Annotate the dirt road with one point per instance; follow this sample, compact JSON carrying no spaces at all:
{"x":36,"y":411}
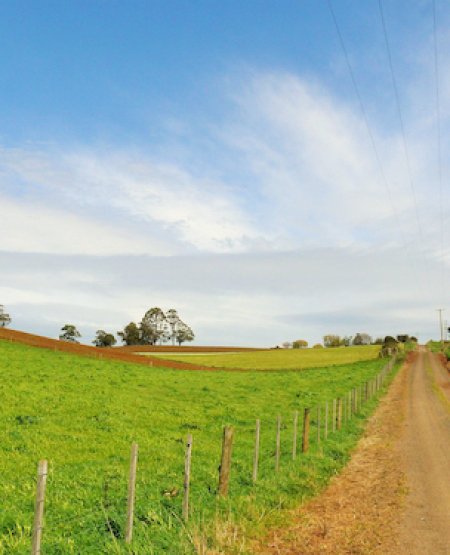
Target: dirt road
{"x":425,"y":452}
{"x":393,"y":498}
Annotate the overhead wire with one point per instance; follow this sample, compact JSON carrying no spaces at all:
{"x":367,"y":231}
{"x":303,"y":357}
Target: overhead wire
{"x":405,"y":146}
{"x":381,"y":170}
{"x":365,"y":118}
{"x":400,"y":117}
{"x":439,"y":145}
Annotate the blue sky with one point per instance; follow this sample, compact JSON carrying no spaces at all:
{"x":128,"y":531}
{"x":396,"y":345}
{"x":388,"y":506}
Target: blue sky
{"x":175,"y":138}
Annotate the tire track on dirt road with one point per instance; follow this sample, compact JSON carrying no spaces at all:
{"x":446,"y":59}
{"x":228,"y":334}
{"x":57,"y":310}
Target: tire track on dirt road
{"x":425,"y":450}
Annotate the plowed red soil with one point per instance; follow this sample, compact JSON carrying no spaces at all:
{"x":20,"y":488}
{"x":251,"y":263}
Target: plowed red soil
{"x":95,"y":352}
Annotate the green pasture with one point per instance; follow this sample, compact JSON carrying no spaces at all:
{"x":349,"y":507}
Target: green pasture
{"x":279,"y":359}
{"x":83,"y":414}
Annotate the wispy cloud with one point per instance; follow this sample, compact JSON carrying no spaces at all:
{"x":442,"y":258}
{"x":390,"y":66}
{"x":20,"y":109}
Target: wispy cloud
{"x":293,"y":172}
{"x":304,"y":173}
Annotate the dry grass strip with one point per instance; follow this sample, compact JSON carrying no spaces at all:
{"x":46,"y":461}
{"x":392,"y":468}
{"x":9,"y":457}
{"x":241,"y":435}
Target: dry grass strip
{"x":359,"y":511}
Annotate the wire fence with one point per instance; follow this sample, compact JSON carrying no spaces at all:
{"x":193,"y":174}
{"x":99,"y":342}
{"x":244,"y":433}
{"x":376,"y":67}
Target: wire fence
{"x":268,"y":445}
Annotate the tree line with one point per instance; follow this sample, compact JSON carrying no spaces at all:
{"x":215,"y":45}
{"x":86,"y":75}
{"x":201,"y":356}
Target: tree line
{"x":364,"y":339}
{"x":332,"y":340}
{"x":156,"y":327}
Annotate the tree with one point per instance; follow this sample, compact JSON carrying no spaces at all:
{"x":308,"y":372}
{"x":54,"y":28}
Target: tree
{"x":318,"y":346}
{"x":346,"y":341}
{"x":130,"y":334}
{"x":362,"y":339}
{"x":5,"y":318}
{"x":157,"y":327}
{"x":154,"y":327}
{"x":403,"y":338}
{"x":389,"y":340}
{"x":331,"y":340}
{"x":70,"y":333}
{"x":184,"y":333}
{"x":389,"y":347}
{"x":104,"y":339}
{"x":174,"y":322}
{"x":300,"y":344}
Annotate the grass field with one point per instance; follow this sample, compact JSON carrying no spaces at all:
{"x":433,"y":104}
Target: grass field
{"x":279,"y":359}
{"x":82,"y":414}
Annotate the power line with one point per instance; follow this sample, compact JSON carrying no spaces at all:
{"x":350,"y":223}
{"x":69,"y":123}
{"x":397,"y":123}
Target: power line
{"x":382,"y":173}
{"x":366,"y":121}
{"x":439,"y":143}
{"x":400,"y":116}
{"x":404,"y":141}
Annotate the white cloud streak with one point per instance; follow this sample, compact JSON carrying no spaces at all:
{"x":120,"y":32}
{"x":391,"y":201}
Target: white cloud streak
{"x":303,"y":179}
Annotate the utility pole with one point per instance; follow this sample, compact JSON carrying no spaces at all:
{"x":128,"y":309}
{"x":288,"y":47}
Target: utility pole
{"x":440,"y":310}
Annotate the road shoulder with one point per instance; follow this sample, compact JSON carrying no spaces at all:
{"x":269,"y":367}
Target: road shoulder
{"x":359,"y":512}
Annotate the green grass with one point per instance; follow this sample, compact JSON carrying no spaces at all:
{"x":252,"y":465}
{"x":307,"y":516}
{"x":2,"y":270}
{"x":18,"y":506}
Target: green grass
{"x":279,"y":359}
{"x":82,"y":414}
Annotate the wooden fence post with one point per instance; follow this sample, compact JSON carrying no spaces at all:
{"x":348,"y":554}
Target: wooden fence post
{"x":256,"y":453}
{"x":131,"y":493}
{"x":326,"y":420}
{"x":351,"y":402}
{"x":187,"y":477}
{"x":278,"y":445}
{"x":225,"y":464}
{"x":318,"y":424}
{"x":294,"y":437}
{"x":305,"y":439}
{"x":334,"y":416}
{"x":339,"y":414}
{"x":39,"y":507}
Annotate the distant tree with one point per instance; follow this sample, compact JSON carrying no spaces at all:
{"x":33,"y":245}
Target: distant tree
{"x":174,"y":322}
{"x":346,"y":341}
{"x":70,"y":333}
{"x":389,"y":347}
{"x":104,"y":339}
{"x":389,"y":340}
{"x":404,"y":338}
{"x":413,"y":339}
{"x":5,"y":318}
{"x":287,"y":345}
{"x":318,"y":346}
{"x":378,"y":341}
{"x":331,"y":340}
{"x":157,"y":327}
{"x":184,"y":333}
{"x":362,"y":339}
{"x":154,"y":327}
{"x":130,"y":334}
{"x":300,"y":344}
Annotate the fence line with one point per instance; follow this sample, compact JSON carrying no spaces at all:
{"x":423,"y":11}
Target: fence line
{"x":343,"y":408}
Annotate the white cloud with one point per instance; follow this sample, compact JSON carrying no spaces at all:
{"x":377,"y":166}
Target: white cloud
{"x":33,"y":227}
{"x":293,"y":170}
{"x":258,"y":299}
